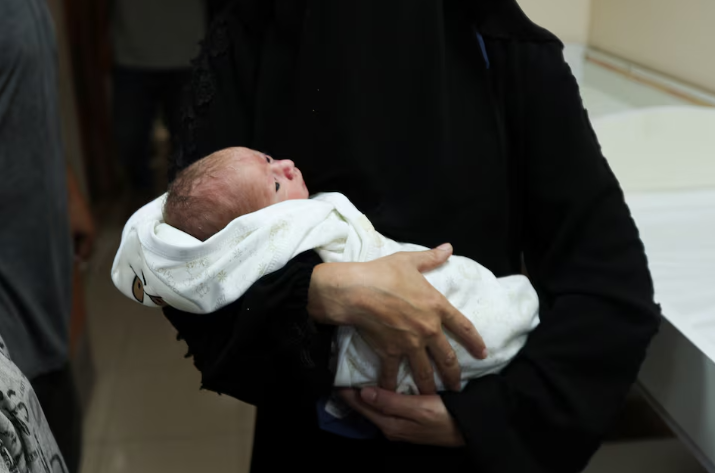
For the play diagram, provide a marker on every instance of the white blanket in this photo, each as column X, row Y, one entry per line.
column 157, row 264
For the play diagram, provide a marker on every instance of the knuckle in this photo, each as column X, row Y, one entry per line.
column 426, row 414
column 450, row 360
column 435, row 302
column 423, row 375
column 467, row 327
column 392, row 353
column 400, row 255
column 413, row 344
column 429, row 330
column 422, row 415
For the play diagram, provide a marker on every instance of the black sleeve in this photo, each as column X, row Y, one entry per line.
column 550, row 408
column 240, row 348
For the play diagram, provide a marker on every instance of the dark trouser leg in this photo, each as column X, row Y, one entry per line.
column 59, row 399
column 172, row 100
column 172, row 96
column 134, row 108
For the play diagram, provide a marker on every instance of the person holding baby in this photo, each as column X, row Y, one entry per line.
column 441, row 121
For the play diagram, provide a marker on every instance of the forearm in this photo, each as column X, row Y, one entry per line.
column 239, row 348
column 555, row 402
column 335, row 293
column 550, row 408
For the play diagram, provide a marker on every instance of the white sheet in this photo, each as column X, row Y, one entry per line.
column 678, row 230
column 660, row 148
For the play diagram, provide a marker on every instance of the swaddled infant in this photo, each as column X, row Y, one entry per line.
column 238, row 184
column 237, row 215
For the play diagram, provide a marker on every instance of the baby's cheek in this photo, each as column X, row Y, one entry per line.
column 296, row 193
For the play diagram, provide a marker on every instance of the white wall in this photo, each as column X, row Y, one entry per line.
column 568, row 19
column 675, row 37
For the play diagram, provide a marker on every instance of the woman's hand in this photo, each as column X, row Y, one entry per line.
column 414, row 419
column 398, row 312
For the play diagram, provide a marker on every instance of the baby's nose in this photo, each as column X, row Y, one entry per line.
column 288, row 167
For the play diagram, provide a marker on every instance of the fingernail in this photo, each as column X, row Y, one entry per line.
column 445, row 247
column 368, row 395
column 484, row 354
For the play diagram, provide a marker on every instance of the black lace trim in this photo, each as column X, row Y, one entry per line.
column 198, row 95
column 304, row 333
column 218, row 41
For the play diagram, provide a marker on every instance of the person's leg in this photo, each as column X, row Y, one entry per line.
column 59, row 400
column 173, row 82
column 134, row 108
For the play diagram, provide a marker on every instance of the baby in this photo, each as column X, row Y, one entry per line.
column 208, row 195
column 238, row 214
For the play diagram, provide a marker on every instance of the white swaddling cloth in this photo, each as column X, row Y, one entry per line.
column 157, row 265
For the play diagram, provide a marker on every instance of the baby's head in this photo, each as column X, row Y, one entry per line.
column 209, row 194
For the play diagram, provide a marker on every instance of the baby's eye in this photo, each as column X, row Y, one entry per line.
column 278, row 186
column 268, row 159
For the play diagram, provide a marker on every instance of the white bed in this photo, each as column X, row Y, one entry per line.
column 665, row 160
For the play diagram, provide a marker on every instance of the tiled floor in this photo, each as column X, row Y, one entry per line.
column 148, row 415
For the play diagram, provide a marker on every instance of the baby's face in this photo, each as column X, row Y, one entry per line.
column 271, row 181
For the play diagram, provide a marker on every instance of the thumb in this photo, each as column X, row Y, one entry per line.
column 431, row 259
column 391, row 404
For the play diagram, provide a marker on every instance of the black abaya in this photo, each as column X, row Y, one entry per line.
column 394, row 104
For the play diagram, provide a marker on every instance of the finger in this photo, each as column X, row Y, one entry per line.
column 352, row 399
column 392, row 404
column 463, row 329
column 447, row 363
column 389, row 370
column 394, row 428
column 431, row 259
column 422, row 372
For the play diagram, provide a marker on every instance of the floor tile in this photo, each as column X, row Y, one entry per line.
column 152, row 344
column 167, row 403
column 106, row 323
column 95, row 418
column 221, row 455
column 91, row 458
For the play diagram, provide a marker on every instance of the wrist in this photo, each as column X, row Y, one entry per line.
column 329, row 294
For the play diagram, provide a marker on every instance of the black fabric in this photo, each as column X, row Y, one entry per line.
column 392, row 104
column 137, row 96
column 59, row 400
column 238, row 353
